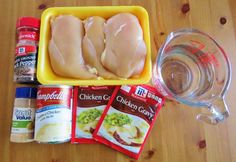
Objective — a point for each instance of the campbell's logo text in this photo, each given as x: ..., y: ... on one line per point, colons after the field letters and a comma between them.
x: 51, y: 96
x: 48, y: 96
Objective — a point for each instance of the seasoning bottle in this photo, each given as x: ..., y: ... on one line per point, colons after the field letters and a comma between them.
x: 22, y: 129
x: 27, y: 30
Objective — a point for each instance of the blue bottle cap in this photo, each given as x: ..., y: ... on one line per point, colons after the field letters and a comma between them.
x: 26, y: 92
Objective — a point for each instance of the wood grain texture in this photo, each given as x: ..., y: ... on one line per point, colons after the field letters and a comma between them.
x: 177, y: 136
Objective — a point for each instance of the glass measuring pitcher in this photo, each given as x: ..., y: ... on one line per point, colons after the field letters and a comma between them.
x: 193, y: 69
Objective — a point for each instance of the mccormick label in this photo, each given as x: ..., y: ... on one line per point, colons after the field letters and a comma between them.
x: 25, y: 63
x: 90, y: 103
x: 28, y: 35
x: 53, y: 114
x: 128, y: 118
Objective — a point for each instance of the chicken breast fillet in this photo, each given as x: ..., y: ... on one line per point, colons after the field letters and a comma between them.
x: 125, y: 50
x: 93, y: 45
x: 65, y: 48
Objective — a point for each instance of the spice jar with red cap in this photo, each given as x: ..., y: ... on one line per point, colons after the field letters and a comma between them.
x: 27, y: 29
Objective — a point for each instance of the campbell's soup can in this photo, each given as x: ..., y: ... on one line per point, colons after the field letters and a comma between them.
x: 53, y: 114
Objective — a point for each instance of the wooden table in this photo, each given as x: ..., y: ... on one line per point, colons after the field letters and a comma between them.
x: 177, y: 136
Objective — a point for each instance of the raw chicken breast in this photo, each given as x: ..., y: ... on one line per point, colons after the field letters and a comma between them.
x: 125, y: 50
x: 65, y: 48
x: 93, y: 45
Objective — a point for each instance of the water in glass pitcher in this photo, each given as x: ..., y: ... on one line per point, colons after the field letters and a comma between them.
x: 186, y: 74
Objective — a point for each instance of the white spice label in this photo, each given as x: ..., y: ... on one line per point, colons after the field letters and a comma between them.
x: 23, y: 120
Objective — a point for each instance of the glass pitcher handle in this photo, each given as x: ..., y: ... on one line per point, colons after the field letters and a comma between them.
x: 219, y: 112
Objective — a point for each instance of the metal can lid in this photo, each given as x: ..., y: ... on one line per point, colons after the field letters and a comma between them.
x: 26, y: 92
x: 28, y: 21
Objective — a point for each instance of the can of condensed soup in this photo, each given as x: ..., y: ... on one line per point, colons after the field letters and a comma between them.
x: 53, y: 114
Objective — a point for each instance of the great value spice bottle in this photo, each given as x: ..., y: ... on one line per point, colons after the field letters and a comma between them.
x: 23, y: 115
x: 26, y: 49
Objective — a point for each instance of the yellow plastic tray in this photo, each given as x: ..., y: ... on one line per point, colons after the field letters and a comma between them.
x: 45, y: 73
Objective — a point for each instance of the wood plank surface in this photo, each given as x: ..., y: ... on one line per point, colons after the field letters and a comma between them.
x: 176, y: 136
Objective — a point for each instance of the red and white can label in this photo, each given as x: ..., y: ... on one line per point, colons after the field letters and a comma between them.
x: 47, y: 96
x: 53, y: 114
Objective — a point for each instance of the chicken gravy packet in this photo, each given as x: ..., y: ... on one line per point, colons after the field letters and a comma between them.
x: 89, y: 103
x: 128, y: 118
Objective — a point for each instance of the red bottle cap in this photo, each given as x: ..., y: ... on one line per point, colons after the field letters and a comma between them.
x: 28, y: 21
